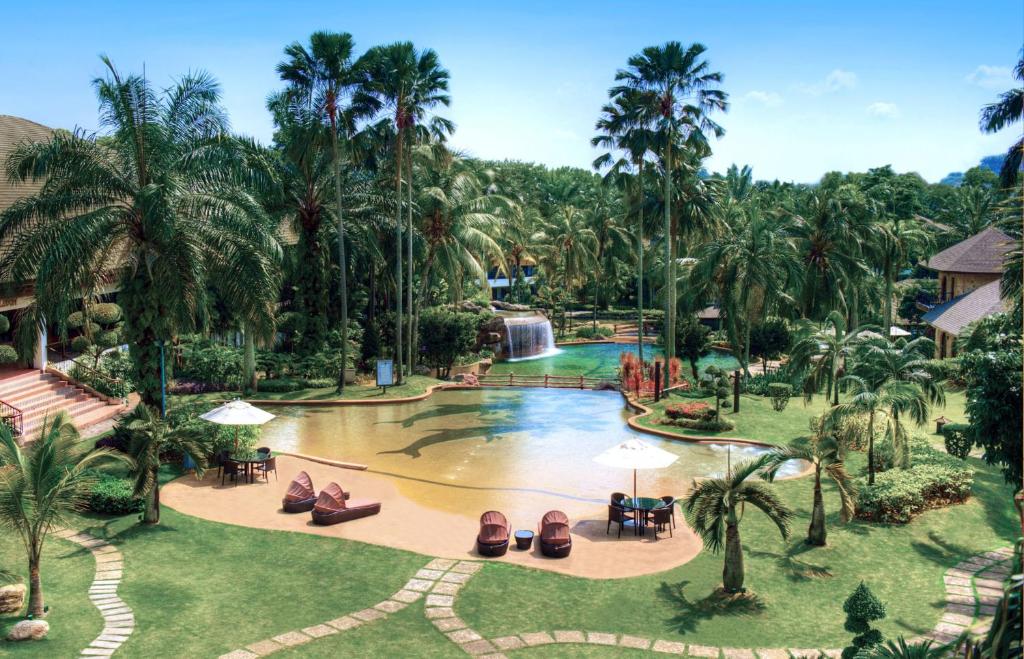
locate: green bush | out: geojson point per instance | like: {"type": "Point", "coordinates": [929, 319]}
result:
{"type": "Point", "coordinates": [105, 313]}
{"type": "Point", "coordinates": [933, 480]}
{"type": "Point", "coordinates": [5, 324]}
{"type": "Point", "coordinates": [108, 339]}
{"type": "Point", "coordinates": [279, 385]}
{"type": "Point", "coordinates": [8, 355]}
{"type": "Point", "coordinates": [76, 320]}
{"type": "Point", "coordinates": [591, 332]}
{"type": "Point", "coordinates": [211, 363]}
{"type": "Point", "coordinates": [444, 336]}
{"type": "Point", "coordinates": [80, 343]}
{"type": "Point", "coordinates": [957, 439]}
{"type": "Point", "coordinates": [780, 393]}
{"type": "Point", "coordinates": [319, 383]}
{"type": "Point", "coordinates": [111, 495]}
{"type": "Point", "coordinates": [707, 425]}
{"type": "Point", "coordinates": [861, 609]}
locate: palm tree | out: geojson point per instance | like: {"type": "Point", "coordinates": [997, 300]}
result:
{"type": "Point", "coordinates": [888, 399]}
{"type": "Point", "coordinates": [1006, 111]}
{"type": "Point", "coordinates": [43, 482]}
{"type": "Point", "coordinates": [678, 91]}
{"type": "Point", "coordinates": [713, 509]}
{"type": "Point", "coordinates": [570, 247]}
{"type": "Point", "coordinates": [823, 349]}
{"type": "Point", "coordinates": [323, 77]}
{"type": "Point", "coordinates": [900, 649]}
{"type": "Point", "coordinates": [972, 208]}
{"type": "Point", "coordinates": [405, 84]}
{"type": "Point", "coordinates": [161, 203]}
{"type": "Point", "coordinates": [150, 437]}
{"type": "Point", "coordinates": [751, 260]}
{"type": "Point", "coordinates": [825, 454]}
{"type": "Point", "coordinates": [894, 242]}
{"type": "Point", "coordinates": [610, 238]}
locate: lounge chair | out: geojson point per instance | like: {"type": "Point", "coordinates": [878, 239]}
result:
{"type": "Point", "coordinates": [555, 539]}
{"type": "Point", "coordinates": [494, 533]}
{"type": "Point", "coordinates": [300, 496]}
{"type": "Point", "coordinates": [331, 507]}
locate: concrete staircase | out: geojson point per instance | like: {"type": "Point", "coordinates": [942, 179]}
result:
{"type": "Point", "coordinates": [39, 394]}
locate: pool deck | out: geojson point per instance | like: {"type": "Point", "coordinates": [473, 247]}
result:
{"type": "Point", "coordinates": [409, 525]}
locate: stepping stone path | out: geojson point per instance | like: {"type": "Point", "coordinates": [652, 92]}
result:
{"type": "Point", "coordinates": [118, 619]}
{"type": "Point", "coordinates": [973, 588]}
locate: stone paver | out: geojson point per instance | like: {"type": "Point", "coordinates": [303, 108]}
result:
{"type": "Point", "coordinates": [772, 653]}
{"type": "Point", "coordinates": [319, 631]}
{"type": "Point", "coordinates": [479, 648]}
{"type": "Point", "coordinates": [466, 567]}
{"type": "Point", "coordinates": [440, 600]}
{"type": "Point", "coordinates": [407, 596]}
{"type": "Point", "coordinates": [508, 642]}
{"type": "Point", "coordinates": [737, 653]}
{"type": "Point", "coordinates": [574, 636]}
{"type": "Point", "coordinates": [634, 642]}
{"type": "Point", "coordinates": [461, 636]}
{"type": "Point", "coordinates": [440, 612]}
{"type": "Point", "coordinates": [390, 606]}
{"type": "Point", "coordinates": [445, 588]}
{"type": "Point", "coordinates": [425, 573]}
{"type": "Point", "coordinates": [601, 638]}
{"type": "Point", "coordinates": [344, 623]}
{"type": "Point", "coordinates": [292, 638]}
{"type": "Point", "coordinates": [456, 577]}
{"type": "Point", "coordinates": [419, 585]}
{"type": "Point", "coordinates": [264, 647]}
{"type": "Point", "coordinates": [441, 564]}
{"type": "Point", "coordinates": [449, 624]}
{"type": "Point", "coordinates": [537, 638]}
{"type": "Point", "coordinates": [366, 615]}
{"type": "Point", "coordinates": [238, 654]}
{"type": "Point", "coordinates": [702, 651]}
{"type": "Point", "coordinates": [669, 647]}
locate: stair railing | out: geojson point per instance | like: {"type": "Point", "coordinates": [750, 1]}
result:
{"type": "Point", "coordinates": [12, 417]}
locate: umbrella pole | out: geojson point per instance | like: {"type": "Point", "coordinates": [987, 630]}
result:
{"type": "Point", "coordinates": [236, 439]}
{"type": "Point", "coordinates": [634, 485]}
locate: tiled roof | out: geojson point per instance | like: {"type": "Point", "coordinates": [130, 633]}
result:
{"type": "Point", "coordinates": [983, 252]}
{"type": "Point", "coordinates": [13, 131]}
{"type": "Point", "coordinates": [959, 312]}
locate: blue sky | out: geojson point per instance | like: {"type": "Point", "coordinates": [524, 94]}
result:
{"type": "Point", "coordinates": [815, 86]}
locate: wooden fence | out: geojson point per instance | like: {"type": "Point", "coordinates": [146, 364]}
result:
{"type": "Point", "coordinates": [545, 381]}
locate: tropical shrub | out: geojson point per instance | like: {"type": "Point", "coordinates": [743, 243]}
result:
{"type": "Point", "coordinates": [113, 495]}
{"type": "Point", "coordinates": [279, 385]}
{"type": "Point", "coordinates": [211, 363]}
{"type": "Point", "coordinates": [861, 609]}
{"type": "Point", "coordinates": [444, 336]}
{"type": "Point", "coordinates": [958, 442]}
{"type": "Point", "coordinates": [780, 393]}
{"type": "Point", "coordinates": [5, 324]}
{"type": "Point", "coordinates": [947, 369]}
{"type": "Point", "coordinates": [697, 411]}
{"type": "Point", "coordinates": [692, 341]}
{"type": "Point", "coordinates": [770, 339]}
{"type": "Point", "coordinates": [707, 425]}
{"type": "Point", "coordinates": [8, 355]}
{"type": "Point", "coordinates": [591, 332]}
{"type": "Point", "coordinates": [111, 377]}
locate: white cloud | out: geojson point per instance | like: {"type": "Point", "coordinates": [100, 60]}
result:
{"type": "Point", "coordinates": [883, 109]}
{"type": "Point", "coordinates": [836, 80]}
{"type": "Point", "coordinates": [991, 77]}
{"type": "Point", "coordinates": [767, 99]}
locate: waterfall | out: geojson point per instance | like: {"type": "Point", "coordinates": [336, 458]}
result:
{"type": "Point", "coordinates": [528, 337]}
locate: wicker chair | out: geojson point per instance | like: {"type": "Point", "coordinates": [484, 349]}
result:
{"type": "Point", "coordinates": [555, 539]}
{"type": "Point", "coordinates": [331, 507]}
{"type": "Point", "coordinates": [618, 515]}
{"type": "Point", "coordinates": [661, 518]}
{"type": "Point", "coordinates": [492, 540]}
{"type": "Point", "coordinates": [232, 469]}
{"type": "Point", "coordinates": [267, 466]}
{"type": "Point", "coordinates": [670, 502]}
{"type": "Point", "coordinates": [300, 497]}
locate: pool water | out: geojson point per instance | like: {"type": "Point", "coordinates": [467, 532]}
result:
{"type": "Point", "coordinates": [522, 451]}
{"type": "Point", "coordinates": [599, 360]}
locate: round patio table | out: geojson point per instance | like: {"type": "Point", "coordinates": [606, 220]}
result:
{"type": "Point", "coordinates": [524, 539]}
{"type": "Point", "coordinates": [249, 459]}
{"type": "Point", "coordinates": [642, 506]}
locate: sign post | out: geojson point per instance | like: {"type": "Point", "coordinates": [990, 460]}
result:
{"type": "Point", "coordinates": [385, 374]}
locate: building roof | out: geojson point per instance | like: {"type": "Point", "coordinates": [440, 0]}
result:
{"type": "Point", "coordinates": [981, 253]}
{"type": "Point", "coordinates": [953, 316]}
{"type": "Point", "coordinates": [14, 131]}
{"type": "Point", "coordinates": [709, 313]}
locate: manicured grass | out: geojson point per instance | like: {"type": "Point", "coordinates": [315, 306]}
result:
{"type": "Point", "coordinates": [758, 421]}
{"type": "Point", "coordinates": [798, 591]}
{"type": "Point", "coordinates": [414, 385]}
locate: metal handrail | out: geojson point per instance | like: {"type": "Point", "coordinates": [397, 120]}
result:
{"type": "Point", "coordinates": [61, 365]}
{"type": "Point", "coordinates": [12, 417]}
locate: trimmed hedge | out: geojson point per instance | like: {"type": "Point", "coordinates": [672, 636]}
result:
{"type": "Point", "coordinates": [958, 443]}
{"type": "Point", "coordinates": [934, 480]}
{"type": "Point", "coordinates": [111, 495]}
{"type": "Point", "coordinates": [8, 355]}
{"type": "Point", "coordinates": [591, 332]}
{"type": "Point", "coordinates": [708, 425]}
{"type": "Point", "coordinates": [284, 385]}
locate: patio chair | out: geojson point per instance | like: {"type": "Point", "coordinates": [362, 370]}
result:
{"type": "Point", "coordinates": [660, 518]}
{"type": "Point", "coordinates": [671, 503]}
{"type": "Point", "coordinates": [331, 507]}
{"type": "Point", "coordinates": [492, 540]}
{"type": "Point", "coordinates": [232, 469]}
{"type": "Point", "coordinates": [618, 515]}
{"type": "Point", "coordinates": [300, 496]}
{"type": "Point", "coordinates": [263, 449]}
{"type": "Point", "coordinates": [618, 498]}
{"type": "Point", "coordinates": [555, 539]}
{"type": "Point", "coordinates": [219, 458]}
{"type": "Point", "coordinates": [267, 466]}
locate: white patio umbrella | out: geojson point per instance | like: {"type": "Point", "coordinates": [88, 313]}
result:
{"type": "Point", "coordinates": [237, 413]}
{"type": "Point", "coordinates": [636, 454]}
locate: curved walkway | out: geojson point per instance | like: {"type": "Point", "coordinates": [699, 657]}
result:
{"type": "Point", "coordinates": [118, 619]}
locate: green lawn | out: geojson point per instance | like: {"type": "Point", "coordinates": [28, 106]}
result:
{"type": "Point", "coordinates": [758, 421]}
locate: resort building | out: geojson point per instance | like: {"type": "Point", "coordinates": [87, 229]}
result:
{"type": "Point", "coordinates": [501, 285]}
{"type": "Point", "coordinates": [968, 274]}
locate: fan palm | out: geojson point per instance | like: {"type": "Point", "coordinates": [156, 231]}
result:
{"type": "Point", "coordinates": [149, 438]}
{"type": "Point", "coordinates": [714, 509]}
{"type": "Point", "coordinates": [161, 203]}
{"type": "Point", "coordinates": [323, 77]}
{"type": "Point", "coordinates": [1006, 111]}
{"type": "Point", "coordinates": [41, 484]}
{"type": "Point", "coordinates": [405, 84]}
{"type": "Point", "coordinates": [825, 454]}
{"type": "Point", "coordinates": [678, 92]}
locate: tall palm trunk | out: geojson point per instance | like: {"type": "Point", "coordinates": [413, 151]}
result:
{"type": "Point", "coordinates": [342, 265]}
{"type": "Point", "coordinates": [249, 361]}
{"type": "Point", "coordinates": [151, 515]}
{"type": "Point", "coordinates": [887, 319]}
{"type": "Point", "coordinates": [732, 573]}
{"type": "Point", "coordinates": [398, 256]}
{"type": "Point", "coordinates": [670, 269]}
{"type": "Point", "coordinates": [411, 339]}
{"type": "Point", "coordinates": [816, 532]}
{"type": "Point", "coordinates": [640, 265]}
{"type": "Point", "coordinates": [35, 584]}
{"type": "Point", "coordinates": [871, 448]}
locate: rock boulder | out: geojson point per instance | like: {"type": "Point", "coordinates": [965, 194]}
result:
{"type": "Point", "coordinates": [28, 630]}
{"type": "Point", "coordinates": [12, 597]}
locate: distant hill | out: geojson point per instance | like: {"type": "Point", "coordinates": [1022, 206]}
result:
{"type": "Point", "coordinates": [994, 163]}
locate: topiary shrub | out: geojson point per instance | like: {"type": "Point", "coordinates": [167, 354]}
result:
{"type": "Point", "coordinates": [111, 495]}
{"type": "Point", "coordinates": [80, 343]}
{"type": "Point", "coordinates": [780, 393]}
{"type": "Point", "coordinates": [957, 439]}
{"type": "Point", "coordinates": [8, 355]}
{"type": "Point", "coordinates": [105, 313]}
{"type": "Point", "coordinates": [5, 324]}
{"type": "Point", "coordinates": [861, 609]}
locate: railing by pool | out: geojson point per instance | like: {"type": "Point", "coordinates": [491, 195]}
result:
{"type": "Point", "coordinates": [546, 381]}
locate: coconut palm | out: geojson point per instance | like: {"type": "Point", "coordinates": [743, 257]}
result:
{"type": "Point", "coordinates": [405, 84]}
{"type": "Point", "coordinates": [714, 508]}
{"type": "Point", "coordinates": [161, 203]}
{"type": "Point", "coordinates": [323, 77]}
{"type": "Point", "coordinates": [823, 349]}
{"type": "Point", "coordinates": [972, 208]}
{"type": "Point", "coordinates": [149, 438]}
{"type": "Point", "coordinates": [894, 242]}
{"type": "Point", "coordinates": [678, 92]}
{"type": "Point", "coordinates": [1006, 111]}
{"type": "Point", "coordinates": [824, 452]}
{"type": "Point", "coordinates": [603, 218]}
{"type": "Point", "coordinates": [889, 400]}
{"type": "Point", "coordinates": [570, 247]}
{"type": "Point", "coordinates": [42, 483]}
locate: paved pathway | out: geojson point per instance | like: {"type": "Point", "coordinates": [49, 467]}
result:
{"type": "Point", "coordinates": [973, 588]}
{"type": "Point", "coordinates": [118, 619]}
